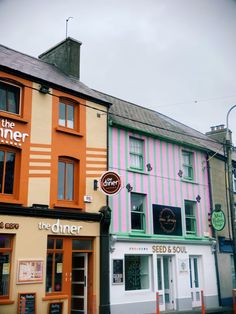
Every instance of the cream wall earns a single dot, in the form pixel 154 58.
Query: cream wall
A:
pixel 39 191
pixel 31 243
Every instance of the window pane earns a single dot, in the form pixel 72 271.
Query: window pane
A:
pixel 159 274
pixel 49 272
pixel 1 169
pixel 9 173
pixel 58 272
pixel 136 153
pixel 137 211
pixel 61 180
pixel 5 242
pixel 137 221
pixel 62 114
pixel 13 101
pixel 3 97
pixel 196 281
pixel 9 98
pixel 81 244
pixel 136 272
pixel 70 116
pixel 4 273
pixel 59 244
pixel 70 181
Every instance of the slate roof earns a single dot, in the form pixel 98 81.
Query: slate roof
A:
pixel 136 117
pixel 43 71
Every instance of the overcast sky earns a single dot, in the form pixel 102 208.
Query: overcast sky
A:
pixel 177 57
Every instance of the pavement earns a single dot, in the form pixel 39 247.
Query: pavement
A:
pixel 218 310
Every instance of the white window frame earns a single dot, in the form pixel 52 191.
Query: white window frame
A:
pixel 188 165
pixel 141 213
pixel 139 156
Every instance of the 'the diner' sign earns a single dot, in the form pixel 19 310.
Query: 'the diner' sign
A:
pixel 10 136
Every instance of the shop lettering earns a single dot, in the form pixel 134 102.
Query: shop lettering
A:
pixel 163 249
pixel 9 225
pixel 7 133
pixel 61 229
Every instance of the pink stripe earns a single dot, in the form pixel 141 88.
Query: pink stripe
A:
pixel 171 176
pixel 164 173
pixel 177 182
pixel 113 165
pixel 200 206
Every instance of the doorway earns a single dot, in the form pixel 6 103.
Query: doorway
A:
pixel 194 273
pixel 165 282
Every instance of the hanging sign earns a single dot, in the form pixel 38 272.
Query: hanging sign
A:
pixel 110 183
pixel 218 220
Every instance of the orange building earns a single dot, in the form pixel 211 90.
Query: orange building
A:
pixel 53 148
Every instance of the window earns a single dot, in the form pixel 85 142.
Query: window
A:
pixel 137 212
pixel 7 171
pixel 9 98
pixel 66 170
pixel 54 265
pixel 136 272
pixel 233 272
pixel 187 165
pixel 136 152
pixel 190 218
pixel 5 265
pixel 67 114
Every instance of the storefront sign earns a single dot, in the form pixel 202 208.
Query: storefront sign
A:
pixel 218 220
pixel 167 220
pixel 58 228
pixel 30 271
pixel 168 249
pixel 9 225
pixel 9 136
pixel 110 183
pixel 117 276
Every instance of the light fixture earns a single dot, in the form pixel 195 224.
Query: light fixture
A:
pixel 95 185
pixel 149 167
pixel 198 198
pixel 44 89
pixel 129 187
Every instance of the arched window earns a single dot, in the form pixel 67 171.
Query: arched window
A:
pixel 10 95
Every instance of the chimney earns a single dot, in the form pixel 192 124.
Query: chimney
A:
pixel 218 133
pixel 65 56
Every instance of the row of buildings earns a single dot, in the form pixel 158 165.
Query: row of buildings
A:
pixel 68 247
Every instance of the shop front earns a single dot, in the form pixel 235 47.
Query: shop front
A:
pixel 49 265
pixel 175 273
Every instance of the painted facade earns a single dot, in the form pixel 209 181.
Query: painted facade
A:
pixel 50 219
pixel 168 249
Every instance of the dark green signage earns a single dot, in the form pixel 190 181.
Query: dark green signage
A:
pixel 218 220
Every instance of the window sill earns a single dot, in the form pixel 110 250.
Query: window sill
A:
pixel 139 234
pixel 6 200
pixel 6 302
pixel 13 116
pixel 73 206
pixel 68 131
pixel 189 181
pixel 55 297
pixel 137 171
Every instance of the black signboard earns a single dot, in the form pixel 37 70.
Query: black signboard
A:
pixel 167 220
pixel 55 308
pixel 27 303
pixel 117 276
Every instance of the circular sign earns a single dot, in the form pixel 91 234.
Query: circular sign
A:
pixel 110 183
pixel 218 220
pixel 167 220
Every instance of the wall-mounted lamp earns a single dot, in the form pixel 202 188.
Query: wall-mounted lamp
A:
pixel 180 173
pixel 44 89
pixel 129 187
pixel 198 198
pixel 149 167
pixel 95 185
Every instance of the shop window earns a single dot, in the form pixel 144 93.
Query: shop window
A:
pixel 233 272
pixel 5 265
pixel 8 161
pixel 137 212
pixel 67 169
pixel 190 218
pixel 54 265
pixel 136 153
pixel 188 169
pixel 9 98
pixel 137 272
pixel 68 114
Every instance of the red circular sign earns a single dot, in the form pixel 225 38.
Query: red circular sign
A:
pixel 110 183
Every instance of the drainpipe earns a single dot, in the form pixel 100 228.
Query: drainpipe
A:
pixel 213 232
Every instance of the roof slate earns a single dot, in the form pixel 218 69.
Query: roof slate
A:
pixel 44 71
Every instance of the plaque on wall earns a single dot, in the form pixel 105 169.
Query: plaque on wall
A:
pixel 117 275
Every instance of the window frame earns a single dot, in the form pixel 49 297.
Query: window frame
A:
pixel 17 152
pixel 10 251
pixel 189 165
pixel 132 153
pixel 69 103
pixel 75 191
pixel 141 213
pixel 192 217
pixel 12 85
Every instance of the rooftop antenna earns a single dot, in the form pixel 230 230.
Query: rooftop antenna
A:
pixel 67 20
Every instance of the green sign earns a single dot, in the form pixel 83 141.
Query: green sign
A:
pixel 218 220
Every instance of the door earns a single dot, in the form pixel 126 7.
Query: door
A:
pixel 79 275
pixel 165 282
pixel 194 281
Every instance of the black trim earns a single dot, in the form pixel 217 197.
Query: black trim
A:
pixel 16 210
